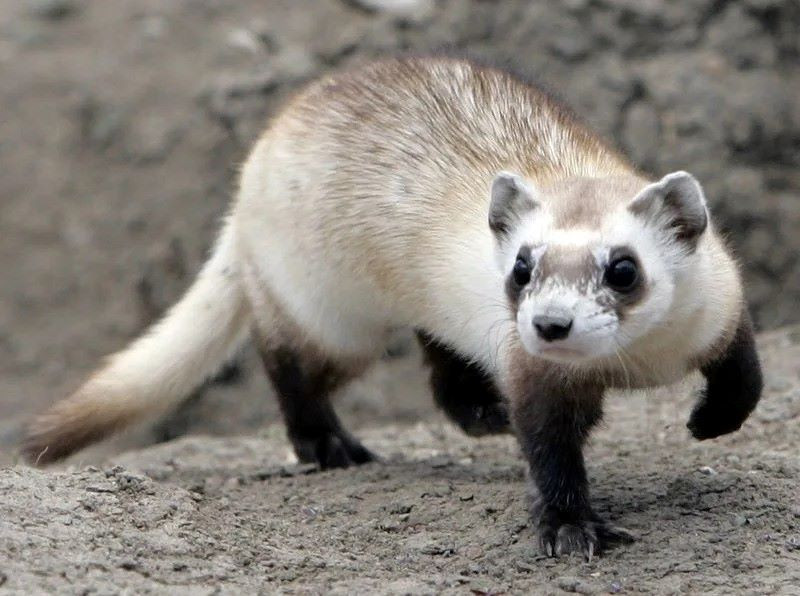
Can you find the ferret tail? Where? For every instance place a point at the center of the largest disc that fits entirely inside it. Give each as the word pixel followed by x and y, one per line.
pixel 158 370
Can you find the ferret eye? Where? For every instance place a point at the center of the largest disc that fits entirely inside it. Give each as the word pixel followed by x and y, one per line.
pixel 521 271
pixel 622 275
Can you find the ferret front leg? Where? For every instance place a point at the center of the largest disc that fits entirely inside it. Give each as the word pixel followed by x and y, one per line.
pixel 464 392
pixel 553 422
pixel 733 386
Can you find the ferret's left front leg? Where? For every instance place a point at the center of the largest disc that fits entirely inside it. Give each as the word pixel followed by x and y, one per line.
pixel 553 421
pixel 733 386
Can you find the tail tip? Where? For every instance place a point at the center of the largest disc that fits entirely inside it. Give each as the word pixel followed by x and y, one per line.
pixel 45 443
pixel 68 426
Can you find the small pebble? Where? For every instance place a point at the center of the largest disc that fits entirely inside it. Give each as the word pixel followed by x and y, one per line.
pixel 473 551
pixel 708 471
pixel 310 512
pixel 400 508
pixel 575 585
pixel 389 525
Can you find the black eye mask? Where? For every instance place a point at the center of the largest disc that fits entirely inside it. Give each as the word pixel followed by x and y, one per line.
pixel 520 275
pixel 625 277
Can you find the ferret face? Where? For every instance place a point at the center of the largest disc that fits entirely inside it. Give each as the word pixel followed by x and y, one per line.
pixel 587 273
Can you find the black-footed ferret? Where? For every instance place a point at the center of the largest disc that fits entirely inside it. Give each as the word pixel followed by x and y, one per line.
pixel 538 267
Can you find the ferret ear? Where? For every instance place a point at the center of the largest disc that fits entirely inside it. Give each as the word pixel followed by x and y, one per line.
pixel 512 198
pixel 677 204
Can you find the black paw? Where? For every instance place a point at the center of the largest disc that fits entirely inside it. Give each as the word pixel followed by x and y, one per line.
pixel 587 536
pixel 709 422
pixel 332 450
pixel 484 419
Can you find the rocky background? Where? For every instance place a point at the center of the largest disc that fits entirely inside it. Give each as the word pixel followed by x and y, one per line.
pixel 121 127
pixel 122 124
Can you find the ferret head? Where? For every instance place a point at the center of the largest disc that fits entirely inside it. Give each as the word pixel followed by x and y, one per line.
pixel 593 265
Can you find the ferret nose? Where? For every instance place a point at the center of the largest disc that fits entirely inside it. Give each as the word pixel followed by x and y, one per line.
pixel 551 328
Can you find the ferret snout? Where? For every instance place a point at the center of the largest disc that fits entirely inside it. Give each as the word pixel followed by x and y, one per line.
pixel 552 326
pixel 566 326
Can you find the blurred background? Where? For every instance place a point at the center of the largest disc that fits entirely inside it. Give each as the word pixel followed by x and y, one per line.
pixel 122 124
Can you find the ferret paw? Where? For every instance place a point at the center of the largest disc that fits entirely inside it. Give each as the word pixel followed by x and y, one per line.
pixel 486 419
pixel 333 450
pixel 709 422
pixel 588 537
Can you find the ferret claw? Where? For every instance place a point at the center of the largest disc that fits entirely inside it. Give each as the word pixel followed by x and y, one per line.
pixel 588 537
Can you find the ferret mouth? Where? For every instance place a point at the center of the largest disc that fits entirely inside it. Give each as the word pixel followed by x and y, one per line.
pixel 562 353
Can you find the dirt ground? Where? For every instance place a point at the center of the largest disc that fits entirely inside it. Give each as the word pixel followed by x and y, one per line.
pixel 442 514
pixel 121 126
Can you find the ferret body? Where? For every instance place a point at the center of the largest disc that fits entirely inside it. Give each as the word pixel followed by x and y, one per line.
pixel 536 264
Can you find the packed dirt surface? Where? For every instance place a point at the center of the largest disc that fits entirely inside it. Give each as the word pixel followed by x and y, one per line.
pixel 441 514
pixel 121 127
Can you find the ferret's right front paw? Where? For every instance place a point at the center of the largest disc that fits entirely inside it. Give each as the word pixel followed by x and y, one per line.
pixel 590 537
pixel 561 539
